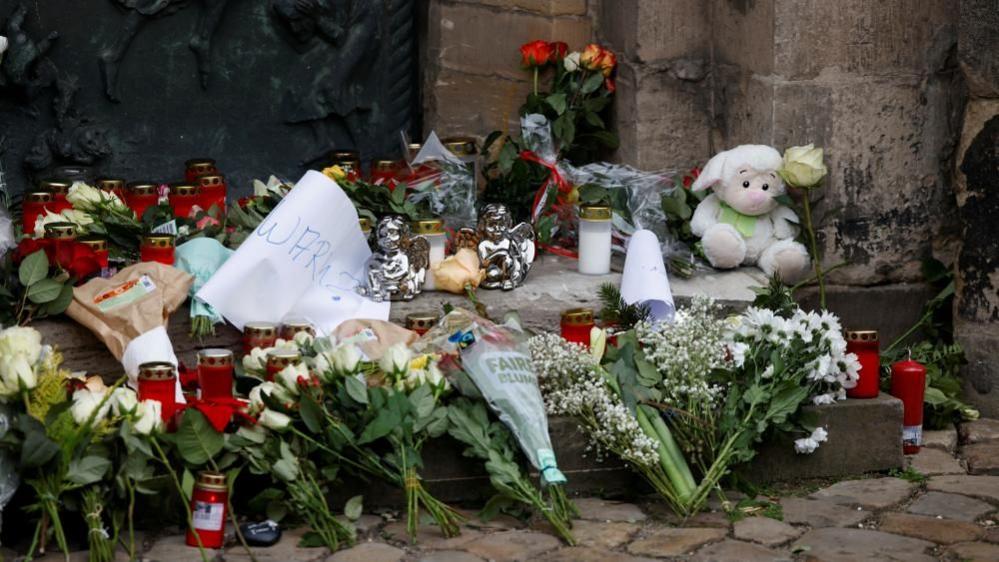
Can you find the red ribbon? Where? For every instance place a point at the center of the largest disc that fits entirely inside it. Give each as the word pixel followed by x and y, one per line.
pixel 560 207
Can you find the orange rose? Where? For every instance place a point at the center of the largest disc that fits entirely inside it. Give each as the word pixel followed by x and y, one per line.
pixel 536 53
pixel 607 62
pixel 590 57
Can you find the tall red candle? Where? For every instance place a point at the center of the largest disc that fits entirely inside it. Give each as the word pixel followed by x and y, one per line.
pixel 576 325
pixel 291 327
pixel 112 185
pixel 59 188
pixel 385 172
pixel 197 167
pixel 208 510
pixel 158 381
pixel 141 195
pixel 34 206
pixel 100 247
pixel 183 198
pixel 215 372
pixel 908 384
pixel 158 248
pixel 350 162
pixel 258 334
pixel 62 235
pixel 280 358
pixel 864 344
pixel 212 189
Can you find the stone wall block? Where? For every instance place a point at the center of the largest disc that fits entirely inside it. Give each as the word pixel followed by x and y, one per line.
pixel 657 30
pixel 981 375
pixel 543 7
pixel 978 48
pixel 473 104
pixel 743 33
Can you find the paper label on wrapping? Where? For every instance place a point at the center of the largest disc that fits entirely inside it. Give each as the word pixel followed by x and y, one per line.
pixel 125 293
pixel 208 516
pixel 549 468
pixel 166 228
pixel 912 435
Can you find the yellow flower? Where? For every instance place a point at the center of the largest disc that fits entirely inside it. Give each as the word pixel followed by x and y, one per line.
pixel 457 271
pixel 802 166
pixel 335 173
pixel 420 362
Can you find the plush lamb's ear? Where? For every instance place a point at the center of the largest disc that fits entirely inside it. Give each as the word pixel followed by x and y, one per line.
pixel 712 172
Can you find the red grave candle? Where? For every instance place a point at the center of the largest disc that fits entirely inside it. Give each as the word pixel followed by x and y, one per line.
pixel 158 381
pixel 100 247
pixel 212 189
pixel 350 162
pixel 576 325
pixel 280 358
pixel 908 384
pixel 258 334
pixel 291 327
pixel 59 189
pixel 183 198
pixel 422 322
pixel 864 344
pixel 197 167
pixel 208 510
pixel 215 372
pixel 385 172
pixel 158 248
pixel 112 185
pixel 62 235
pixel 140 196
pixel 34 206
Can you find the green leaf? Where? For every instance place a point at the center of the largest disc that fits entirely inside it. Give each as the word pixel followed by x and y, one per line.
pixel 354 507
pixel 87 470
pixel 61 303
pixel 592 193
pixel 187 484
pixel 33 269
pixel 46 290
pixel 422 400
pixel 785 200
pixel 311 539
pixel 557 102
pixel 383 424
pixel 196 440
pixel 592 83
pixel 312 414
pixel 37 449
pixel 357 389
pixel 595 120
pixel 596 104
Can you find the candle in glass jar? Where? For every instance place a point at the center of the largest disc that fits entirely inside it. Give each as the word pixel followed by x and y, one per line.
pixel 158 381
pixel 433 231
pixel 58 188
pixel 466 149
pixel 350 162
pixel 100 247
pixel 594 240
pixel 865 345
pixel 62 234
pixel 259 334
pixel 908 384
pixel 112 185
pixel 183 198
pixel 576 325
pixel 212 189
pixel 422 322
pixel 215 373
pixel 34 206
pixel 158 248
pixel 140 195
pixel 412 150
pixel 197 167
pixel 278 359
pixel 384 172
pixel 209 500
pixel 291 327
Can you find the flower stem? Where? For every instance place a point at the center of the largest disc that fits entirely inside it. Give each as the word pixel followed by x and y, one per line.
pixel 819 275
pixel 535 81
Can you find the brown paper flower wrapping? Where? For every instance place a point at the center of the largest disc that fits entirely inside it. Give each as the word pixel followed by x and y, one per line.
pixel 457 271
pixel 118 325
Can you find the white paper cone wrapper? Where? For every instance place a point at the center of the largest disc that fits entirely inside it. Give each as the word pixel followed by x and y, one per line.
pixel 153 345
pixel 644 279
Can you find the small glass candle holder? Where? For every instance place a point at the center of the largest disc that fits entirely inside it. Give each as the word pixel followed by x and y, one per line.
pixel 433 231
pixel 212 190
pixel 209 501
pixel 140 195
pixel 61 234
pixel 594 239
pixel 100 247
pixel 422 322
pixel 215 373
pixel 291 327
pixel 34 206
pixel 865 345
pixel 576 325
pixel 158 248
pixel 58 188
pixel 350 162
pixel 158 381
pixel 280 358
pixel 385 172
pixel 466 149
pixel 183 198
pixel 112 185
pixel 259 334
pixel 197 167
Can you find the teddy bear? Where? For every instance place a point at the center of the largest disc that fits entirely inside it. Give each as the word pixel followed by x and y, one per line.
pixel 742 222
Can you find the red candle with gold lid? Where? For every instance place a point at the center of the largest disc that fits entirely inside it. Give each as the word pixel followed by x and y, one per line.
pixel 158 248
pixel 422 322
pixel 385 172
pixel 158 381
pixel 278 359
pixel 99 245
pixel 215 373
pixel 291 327
pixel 213 191
pixel 58 188
pixel 259 334
pixel 865 345
pixel 209 502
pixel 34 206
pixel 350 162
pixel 140 195
pixel 112 185
pixel 576 325
pixel 183 198
pixel 62 234
pixel 197 167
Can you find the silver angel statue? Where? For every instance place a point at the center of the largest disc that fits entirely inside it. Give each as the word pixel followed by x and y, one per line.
pixel 506 252
pixel 398 266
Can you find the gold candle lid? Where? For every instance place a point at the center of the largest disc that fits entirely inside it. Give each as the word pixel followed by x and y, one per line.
pixel 55 185
pixel 60 231
pixel 95 243
pixel 461 146
pixel 111 184
pixel 340 155
pixel 282 357
pixel 142 188
pixel 212 481
pixel 428 226
pixel 291 327
pixel 577 316
pixel 157 371
pixel 365 224
pixel 260 329
pixel 39 197
pixel 595 213
pixel 867 336
pixel 183 189
pixel 385 165
pixel 199 162
pixel 158 240
pixel 208 181
pixel 414 148
pixel 215 357
pixel 422 320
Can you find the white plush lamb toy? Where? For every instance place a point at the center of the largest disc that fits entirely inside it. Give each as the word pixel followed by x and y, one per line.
pixel 741 222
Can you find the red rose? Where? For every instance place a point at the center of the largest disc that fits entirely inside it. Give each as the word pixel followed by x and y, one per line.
pixel 29 246
pixel 79 260
pixel 535 53
pixel 687 181
pixel 610 84
pixel 559 49
pixel 695 171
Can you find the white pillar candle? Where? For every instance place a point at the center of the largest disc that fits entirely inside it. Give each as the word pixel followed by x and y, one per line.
pixel 433 231
pixel 594 240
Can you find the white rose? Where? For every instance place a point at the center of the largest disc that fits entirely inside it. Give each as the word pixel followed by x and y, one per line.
pixel 321 366
pixel 3 44
pixel 598 342
pixel 256 360
pixel 123 401
pixel 79 218
pixel 48 218
pixel 274 420
pixel 16 375
pixel 88 198
pixel 303 339
pixel 148 417
pixel 396 359
pixel 802 166
pixel 434 375
pixel 571 61
pixel 85 403
pixel 21 341
pixel 288 377
pixel 346 358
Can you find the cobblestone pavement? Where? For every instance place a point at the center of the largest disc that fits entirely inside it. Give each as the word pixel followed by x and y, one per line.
pixel 948 513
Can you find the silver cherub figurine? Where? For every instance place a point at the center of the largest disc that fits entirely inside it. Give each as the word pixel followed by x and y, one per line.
pixel 506 252
pixel 398 266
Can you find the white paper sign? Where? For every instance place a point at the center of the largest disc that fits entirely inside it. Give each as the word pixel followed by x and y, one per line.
pixel 644 279
pixel 304 260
